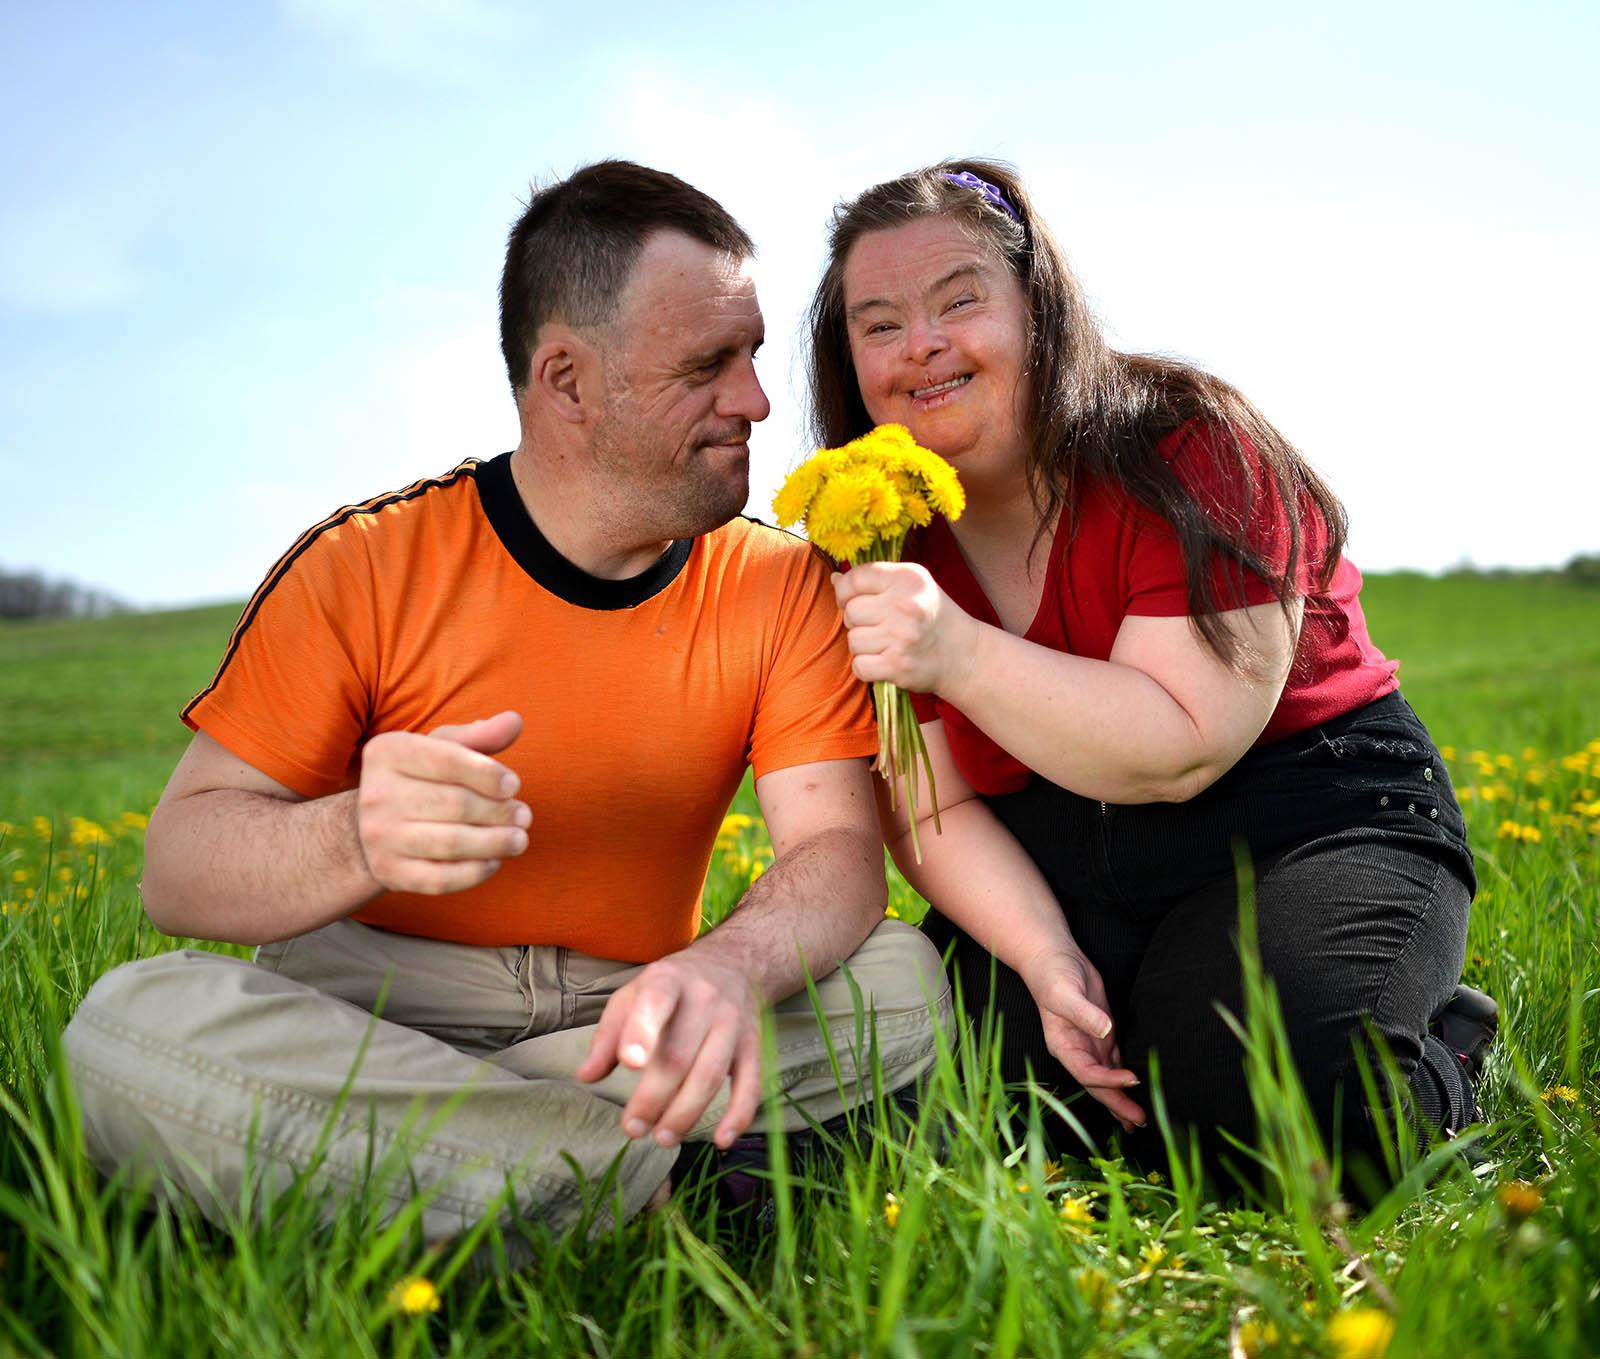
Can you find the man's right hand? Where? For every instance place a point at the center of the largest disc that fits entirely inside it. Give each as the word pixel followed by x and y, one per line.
pixel 434 813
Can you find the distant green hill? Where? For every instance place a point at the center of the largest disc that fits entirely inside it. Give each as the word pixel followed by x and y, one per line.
pixel 88 707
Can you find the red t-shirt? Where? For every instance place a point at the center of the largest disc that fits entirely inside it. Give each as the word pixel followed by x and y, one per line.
pixel 1122 559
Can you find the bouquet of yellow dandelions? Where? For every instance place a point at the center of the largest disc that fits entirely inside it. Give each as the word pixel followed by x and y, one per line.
pixel 858 503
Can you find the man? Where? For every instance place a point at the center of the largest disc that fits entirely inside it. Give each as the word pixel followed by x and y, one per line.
pixel 463 766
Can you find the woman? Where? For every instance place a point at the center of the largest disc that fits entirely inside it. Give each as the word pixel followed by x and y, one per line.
pixel 1140 646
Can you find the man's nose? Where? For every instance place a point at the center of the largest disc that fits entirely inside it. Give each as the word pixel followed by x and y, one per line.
pixel 742 396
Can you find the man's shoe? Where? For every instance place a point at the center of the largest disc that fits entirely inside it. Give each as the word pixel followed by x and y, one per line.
pixel 1467 1025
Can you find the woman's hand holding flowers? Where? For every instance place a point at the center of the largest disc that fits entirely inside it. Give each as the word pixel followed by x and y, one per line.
pixel 903 627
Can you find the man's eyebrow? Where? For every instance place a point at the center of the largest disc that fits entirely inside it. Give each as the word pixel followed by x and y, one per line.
pixel 974 270
pixel 706 357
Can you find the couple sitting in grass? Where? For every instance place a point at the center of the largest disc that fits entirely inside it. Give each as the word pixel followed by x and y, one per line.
pixel 1140 648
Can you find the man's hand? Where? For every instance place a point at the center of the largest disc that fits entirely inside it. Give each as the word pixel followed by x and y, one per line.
pixel 902 626
pixel 1078 1031
pixel 435 813
pixel 686 1024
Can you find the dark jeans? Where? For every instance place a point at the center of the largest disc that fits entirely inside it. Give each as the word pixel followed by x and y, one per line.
pixel 1363 880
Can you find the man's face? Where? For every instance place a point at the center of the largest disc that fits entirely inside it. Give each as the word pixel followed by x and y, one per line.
pixel 681 388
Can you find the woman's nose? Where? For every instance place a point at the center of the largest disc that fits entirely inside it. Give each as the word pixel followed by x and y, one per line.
pixel 924 340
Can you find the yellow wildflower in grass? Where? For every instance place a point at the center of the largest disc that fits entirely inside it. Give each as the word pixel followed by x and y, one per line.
pixel 134 821
pixel 1519 1200
pixel 858 503
pixel 1152 1257
pixel 42 827
pixel 1449 752
pixel 891 1209
pixel 1096 1287
pixel 1565 1093
pixel 415 1295
pixel 1156 1177
pixel 1360 1333
pixel 1076 1211
pixel 1255 1337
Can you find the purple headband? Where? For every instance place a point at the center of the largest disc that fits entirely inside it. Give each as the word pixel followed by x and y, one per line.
pixel 969 180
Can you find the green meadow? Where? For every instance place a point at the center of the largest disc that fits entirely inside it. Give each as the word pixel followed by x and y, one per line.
pixel 950 1233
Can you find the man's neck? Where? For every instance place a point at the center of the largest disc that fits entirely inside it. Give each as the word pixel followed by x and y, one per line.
pixel 573 519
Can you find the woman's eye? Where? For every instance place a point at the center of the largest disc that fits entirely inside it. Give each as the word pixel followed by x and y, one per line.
pixel 964 300
pixel 880 328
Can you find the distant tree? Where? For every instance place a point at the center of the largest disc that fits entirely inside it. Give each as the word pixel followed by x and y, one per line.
pixel 27 594
pixel 1584 568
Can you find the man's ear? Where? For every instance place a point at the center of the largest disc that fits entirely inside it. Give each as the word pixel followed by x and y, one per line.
pixel 566 377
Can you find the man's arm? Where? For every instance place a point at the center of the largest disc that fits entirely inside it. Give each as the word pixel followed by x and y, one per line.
pixel 234 855
pixel 690 1021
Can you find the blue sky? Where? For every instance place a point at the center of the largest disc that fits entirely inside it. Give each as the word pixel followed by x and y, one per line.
pixel 248 253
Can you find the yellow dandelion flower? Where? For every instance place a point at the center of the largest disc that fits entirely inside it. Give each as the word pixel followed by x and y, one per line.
pixel 19 875
pixel 1255 1337
pixel 134 821
pixel 1532 834
pixel 1465 794
pixel 415 1295
pixel 1360 1333
pixel 1097 1288
pixel 756 870
pixel 1529 753
pixel 1076 1210
pixel 1156 1177
pixel 42 827
pixel 1053 1172
pixel 838 519
pixel 1152 1257
pixel 884 504
pixel 1504 761
pixel 891 1209
pixel 1565 1093
pixel 1519 1200
pixel 1449 752
pixel 1509 830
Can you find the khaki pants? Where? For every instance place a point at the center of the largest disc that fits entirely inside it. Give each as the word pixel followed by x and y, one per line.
pixel 201 1066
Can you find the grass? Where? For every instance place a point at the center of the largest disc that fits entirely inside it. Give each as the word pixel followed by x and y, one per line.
pixel 913 1244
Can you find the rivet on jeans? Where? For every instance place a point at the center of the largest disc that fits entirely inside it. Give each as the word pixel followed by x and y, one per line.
pixel 1384 800
pixel 1428 773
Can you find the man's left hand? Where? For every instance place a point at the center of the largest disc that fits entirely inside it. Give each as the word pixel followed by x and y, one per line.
pixel 686 1024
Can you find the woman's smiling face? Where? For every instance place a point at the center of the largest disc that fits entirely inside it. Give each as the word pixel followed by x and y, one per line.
pixel 939 336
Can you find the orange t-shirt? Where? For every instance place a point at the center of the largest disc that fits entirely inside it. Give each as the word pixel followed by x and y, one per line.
pixel 643 699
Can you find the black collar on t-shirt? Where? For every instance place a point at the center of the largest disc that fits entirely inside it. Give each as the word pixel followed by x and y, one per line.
pixel 532 551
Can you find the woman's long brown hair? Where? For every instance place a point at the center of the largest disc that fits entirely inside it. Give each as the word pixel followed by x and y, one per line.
pixel 1095 412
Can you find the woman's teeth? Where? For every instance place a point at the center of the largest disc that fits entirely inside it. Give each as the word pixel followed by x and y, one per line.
pixel 942 387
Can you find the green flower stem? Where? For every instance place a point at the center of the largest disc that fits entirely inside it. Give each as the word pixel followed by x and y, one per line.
pixel 900 741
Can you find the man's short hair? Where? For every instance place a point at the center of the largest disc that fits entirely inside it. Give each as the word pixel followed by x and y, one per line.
pixel 571 253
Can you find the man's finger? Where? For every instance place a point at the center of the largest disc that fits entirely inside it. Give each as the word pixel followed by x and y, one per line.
pixel 601 1059
pixel 446 842
pixel 432 879
pixel 700 1086
pixel 429 801
pixel 444 761
pixel 744 1095
pixel 490 735
pixel 650 1013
